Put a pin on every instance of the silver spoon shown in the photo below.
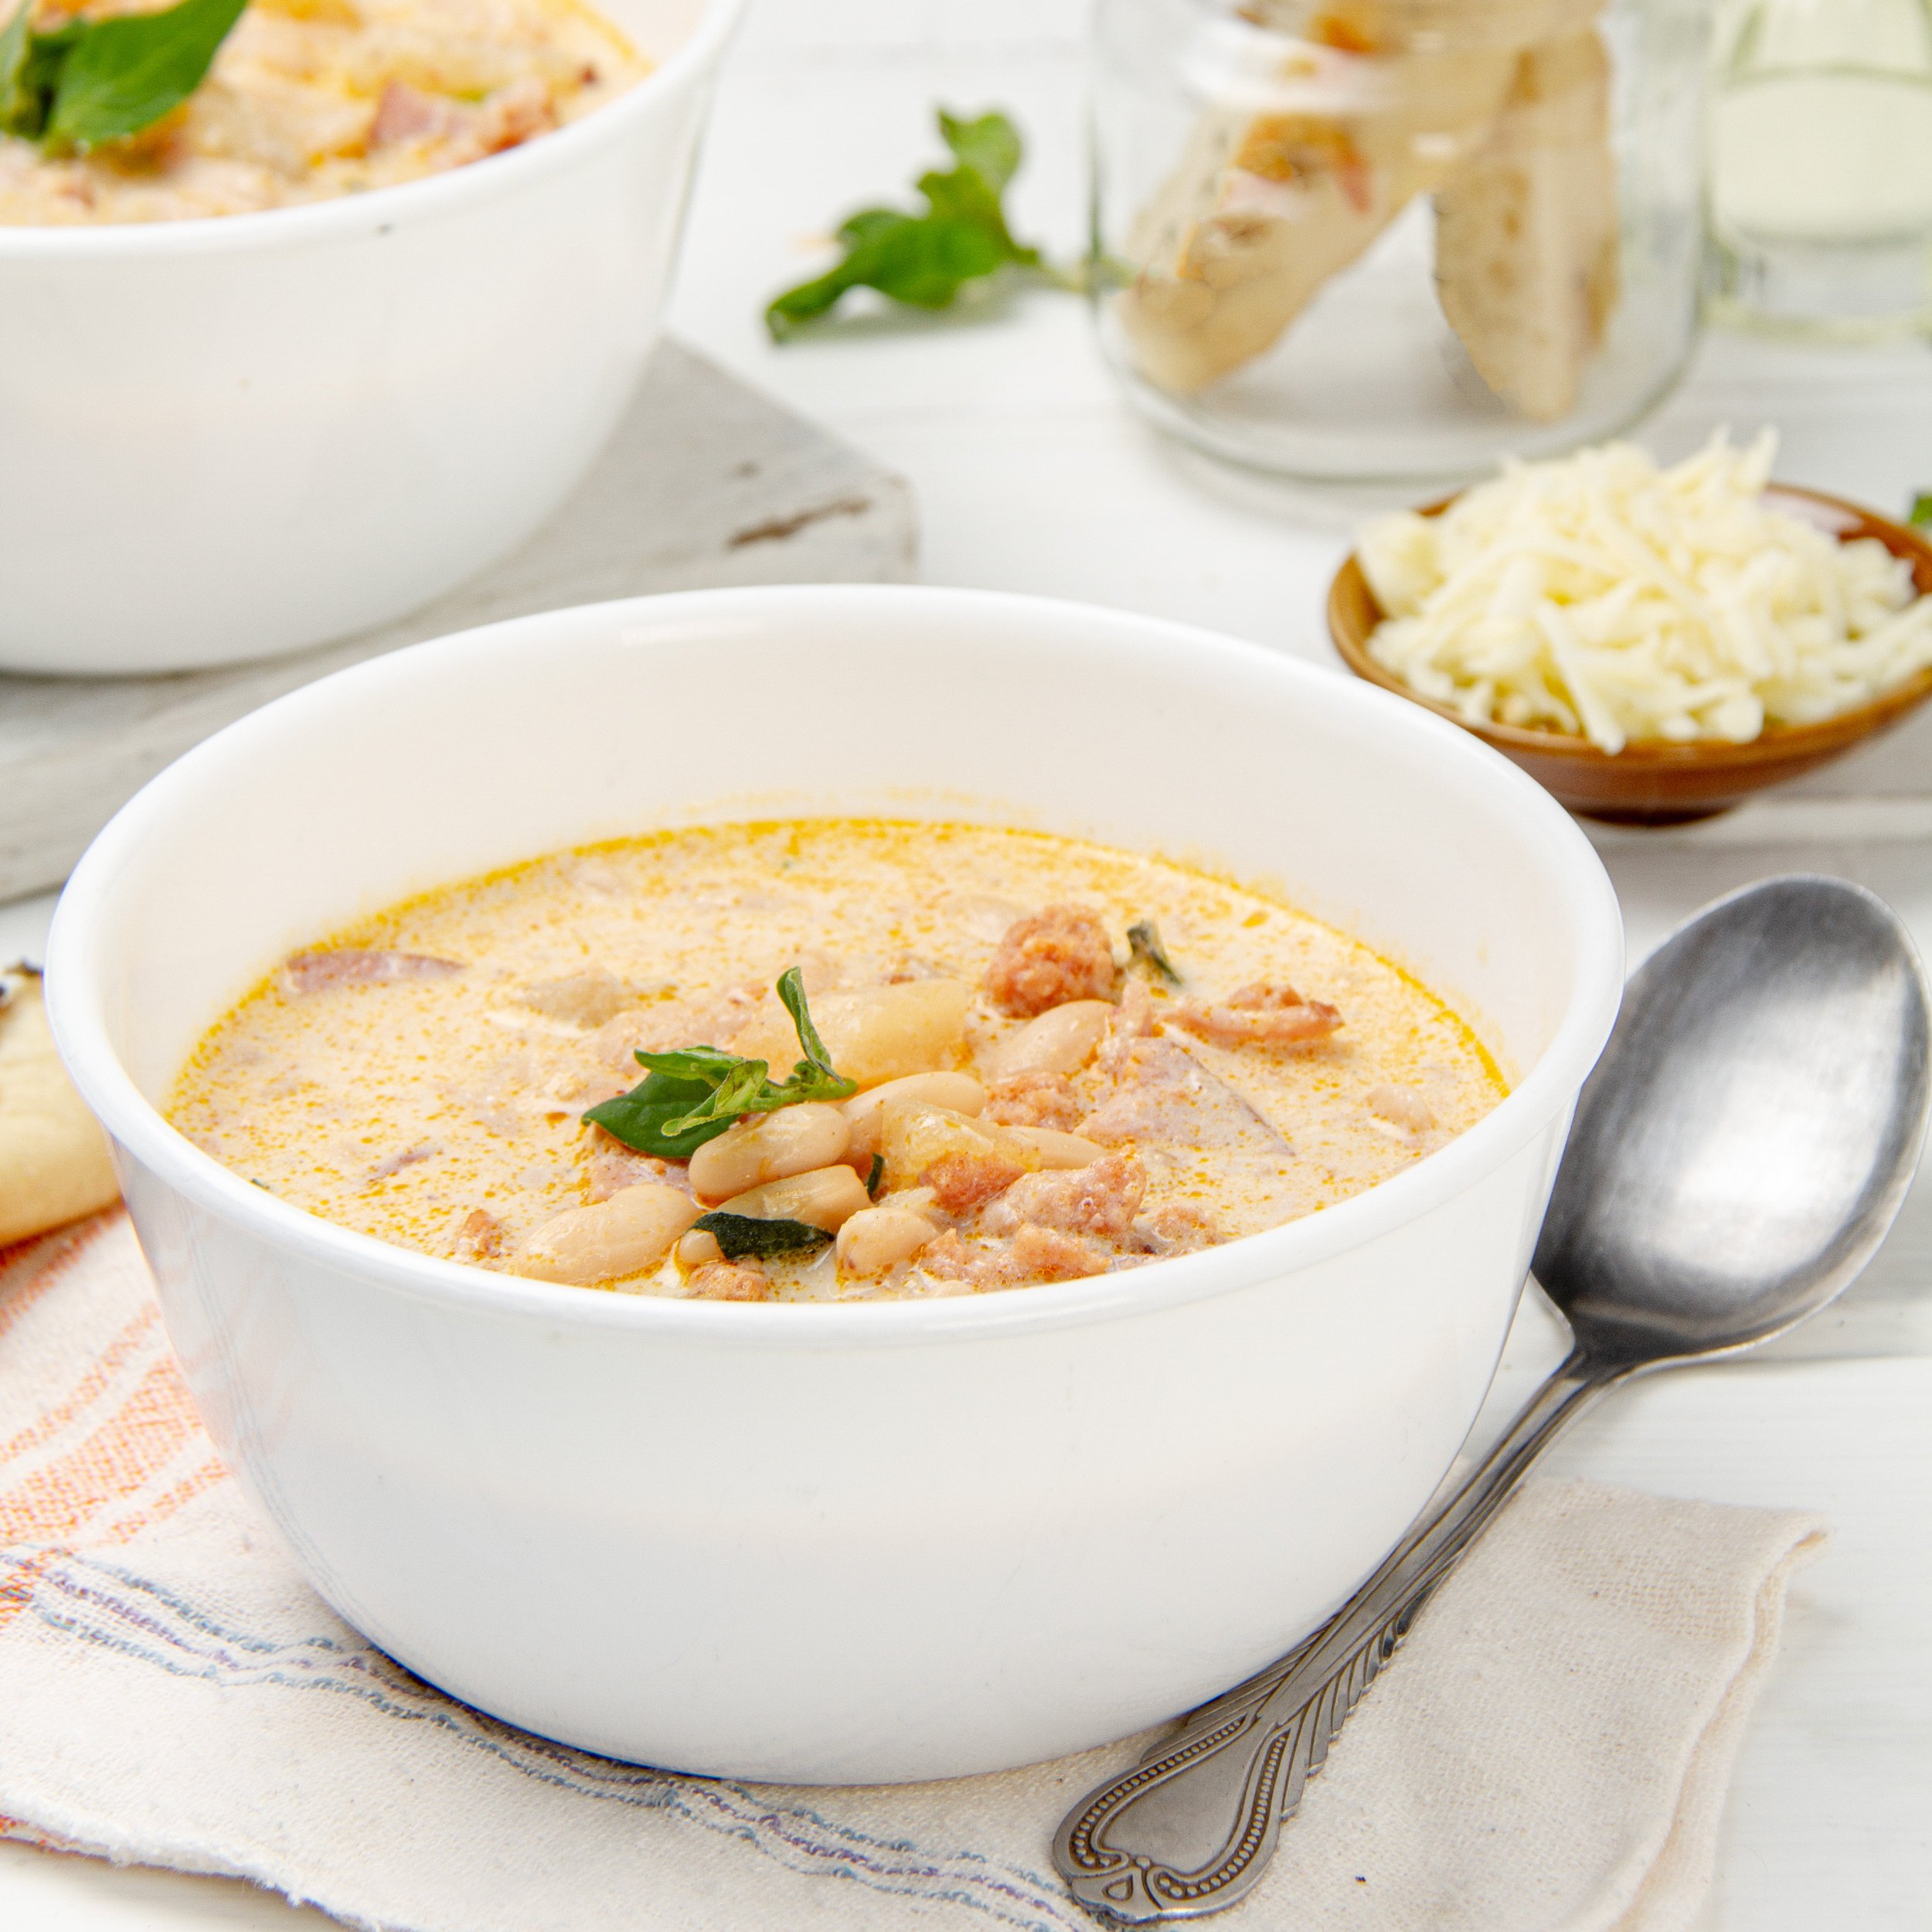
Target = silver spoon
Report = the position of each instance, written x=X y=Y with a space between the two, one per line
x=1735 y=1159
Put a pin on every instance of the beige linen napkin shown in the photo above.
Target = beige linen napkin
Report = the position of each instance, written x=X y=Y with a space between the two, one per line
x=1549 y=1753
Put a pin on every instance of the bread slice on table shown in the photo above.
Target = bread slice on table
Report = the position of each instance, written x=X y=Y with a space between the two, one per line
x=1527 y=233
x=54 y=1166
x=1361 y=106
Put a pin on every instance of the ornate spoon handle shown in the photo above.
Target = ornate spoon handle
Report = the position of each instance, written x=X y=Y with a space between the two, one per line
x=1191 y=1828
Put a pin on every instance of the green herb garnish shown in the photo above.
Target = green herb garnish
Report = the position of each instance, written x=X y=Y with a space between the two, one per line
x=1144 y=943
x=91 y=82
x=1921 y=516
x=923 y=260
x=692 y=1096
x=875 y=1176
x=738 y=1235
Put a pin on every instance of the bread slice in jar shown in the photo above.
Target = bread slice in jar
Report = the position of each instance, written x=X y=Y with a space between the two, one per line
x=1340 y=113
x=1265 y=207
x=1528 y=237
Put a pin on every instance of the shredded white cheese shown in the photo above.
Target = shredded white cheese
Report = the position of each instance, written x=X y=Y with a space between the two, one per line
x=1602 y=595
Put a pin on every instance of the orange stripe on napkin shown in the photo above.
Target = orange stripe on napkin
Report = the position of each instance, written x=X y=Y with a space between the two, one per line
x=134 y=1445
x=29 y=1269
x=87 y=1391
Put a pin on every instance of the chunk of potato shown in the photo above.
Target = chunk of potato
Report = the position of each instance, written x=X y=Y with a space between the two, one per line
x=916 y=1135
x=866 y=1112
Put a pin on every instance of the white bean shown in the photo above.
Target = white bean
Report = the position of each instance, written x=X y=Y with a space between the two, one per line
x=874 y=1238
x=698 y=1248
x=619 y=1236
x=1060 y=1041
x=864 y=1113
x=794 y=1140
x=1059 y=1150
x=827 y=1198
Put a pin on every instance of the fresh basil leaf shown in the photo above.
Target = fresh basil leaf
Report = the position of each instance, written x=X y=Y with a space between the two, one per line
x=708 y=1064
x=738 y=1235
x=640 y=1118
x=738 y=1092
x=875 y=1176
x=791 y=992
x=692 y=1094
x=1921 y=516
x=1144 y=944
x=123 y=75
x=923 y=260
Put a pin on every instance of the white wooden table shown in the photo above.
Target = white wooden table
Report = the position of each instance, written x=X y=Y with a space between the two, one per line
x=1032 y=476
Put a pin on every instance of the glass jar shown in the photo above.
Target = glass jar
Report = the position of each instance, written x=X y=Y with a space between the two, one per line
x=1375 y=239
x=1820 y=166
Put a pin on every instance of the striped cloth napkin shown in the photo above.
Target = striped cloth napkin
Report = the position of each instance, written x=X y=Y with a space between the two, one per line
x=1550 y=1754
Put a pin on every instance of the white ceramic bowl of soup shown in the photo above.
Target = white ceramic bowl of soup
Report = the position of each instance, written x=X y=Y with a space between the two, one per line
x=232 y=438
x=879 y=1541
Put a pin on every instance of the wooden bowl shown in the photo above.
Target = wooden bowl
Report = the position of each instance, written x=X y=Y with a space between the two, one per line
x=1653 y=781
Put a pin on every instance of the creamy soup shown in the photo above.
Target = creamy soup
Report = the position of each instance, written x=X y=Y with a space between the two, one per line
x=886 y=1060
x=310 y=99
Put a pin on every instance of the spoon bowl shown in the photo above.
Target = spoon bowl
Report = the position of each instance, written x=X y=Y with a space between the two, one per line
x=1750 y=1131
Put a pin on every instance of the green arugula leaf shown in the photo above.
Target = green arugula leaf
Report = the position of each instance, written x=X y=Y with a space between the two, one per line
x=97 y=81
x=1921 y=516
x=1144 y=946
x=691 y=1095
x=923 y=260
x=738 y=1235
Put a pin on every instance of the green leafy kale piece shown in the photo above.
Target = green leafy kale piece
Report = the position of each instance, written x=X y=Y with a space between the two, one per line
x=92 y=82
x=692 y=1096
x=738 y=1235
x=924 y=259
x=1921 y=516
x=875 y=1176
x=1144 y=944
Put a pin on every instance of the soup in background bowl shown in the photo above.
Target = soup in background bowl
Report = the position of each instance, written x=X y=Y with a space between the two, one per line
x=863 y=1538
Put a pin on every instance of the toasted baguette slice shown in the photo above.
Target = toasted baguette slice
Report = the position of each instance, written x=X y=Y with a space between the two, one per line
x=1527 y=234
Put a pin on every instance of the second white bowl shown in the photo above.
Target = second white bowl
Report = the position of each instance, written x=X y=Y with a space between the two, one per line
x=233 y=438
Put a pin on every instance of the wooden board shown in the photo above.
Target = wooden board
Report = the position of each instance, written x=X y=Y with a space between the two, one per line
x=707 y=482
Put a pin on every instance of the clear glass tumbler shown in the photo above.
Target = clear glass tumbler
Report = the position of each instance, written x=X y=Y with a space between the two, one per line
x=1820 y=166
x=1397 y=239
